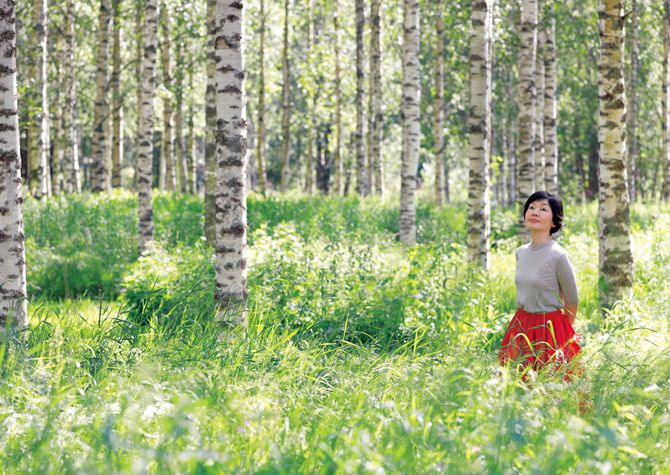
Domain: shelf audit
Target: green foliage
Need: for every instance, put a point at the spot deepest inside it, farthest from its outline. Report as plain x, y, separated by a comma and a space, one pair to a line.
359, 354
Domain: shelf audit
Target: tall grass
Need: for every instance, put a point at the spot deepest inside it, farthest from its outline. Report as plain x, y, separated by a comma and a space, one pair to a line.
360, 354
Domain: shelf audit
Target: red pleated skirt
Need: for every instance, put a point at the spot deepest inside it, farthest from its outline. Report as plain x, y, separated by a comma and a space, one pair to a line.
541, 340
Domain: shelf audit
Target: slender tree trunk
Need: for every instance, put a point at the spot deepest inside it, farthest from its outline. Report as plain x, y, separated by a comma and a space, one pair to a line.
665, 161
139, 55
511, 181
192, 162
540, 178
145, 206
376, 117
631, 114
101, 115
260, 143
117, 100
616, 260
527, 94
286, 108
479, 222
58, 154
210, 126
438, 133
167, 152
311, 129
410, 115
339, 167
231, 216
13, 306
38, 137
362, 185
550, 115
181, 165
71, 158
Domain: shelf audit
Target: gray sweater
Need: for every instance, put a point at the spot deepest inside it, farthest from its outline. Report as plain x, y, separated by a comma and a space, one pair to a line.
542, 272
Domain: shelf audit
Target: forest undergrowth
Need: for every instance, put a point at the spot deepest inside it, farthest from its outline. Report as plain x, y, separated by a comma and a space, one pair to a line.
360, 354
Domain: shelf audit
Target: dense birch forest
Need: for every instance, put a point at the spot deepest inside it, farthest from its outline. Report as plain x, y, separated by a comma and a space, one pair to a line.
279, 236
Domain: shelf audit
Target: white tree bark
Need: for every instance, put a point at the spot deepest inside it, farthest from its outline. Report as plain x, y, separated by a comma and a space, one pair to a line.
260, 144
13, 307
210, 126
231, 143
168, 179
525, 157
71, 158
362, 184
338, 184
286, 108
550, 115
376, 117
479, 205
665, 193
146, 145
38, 135
539, 112
117, 100
632, 133
101, 114
410, 116
438, 132
616, 260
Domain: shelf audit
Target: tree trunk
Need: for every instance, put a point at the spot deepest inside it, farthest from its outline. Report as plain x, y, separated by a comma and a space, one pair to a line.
616, 260
210, 127
117, 101
339, 167
71, 158
192, 162
39, 125
231, 215
376, 117
631, 114
13, 306
410, 115
479, 222
550, 115
139, 54
511, 177
145, 206
312, 96
181, 164
540, 178
167, 152
527, 94
286, 109
260, 143
362, 184
665, 160
438, 133
101, 115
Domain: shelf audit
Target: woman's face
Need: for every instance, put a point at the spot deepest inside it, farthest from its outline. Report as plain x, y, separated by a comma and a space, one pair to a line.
539, 216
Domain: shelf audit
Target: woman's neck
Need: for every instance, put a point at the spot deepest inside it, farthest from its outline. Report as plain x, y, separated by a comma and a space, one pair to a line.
539, 238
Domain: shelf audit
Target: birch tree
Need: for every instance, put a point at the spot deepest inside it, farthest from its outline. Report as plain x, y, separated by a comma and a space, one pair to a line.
665, 193
168, 179
376, 118
39, 126
260, 139
616, 260
362, 184
525, 157
145, 205
13, 307
210, 126
99, 142
117, 102
632, 114
549, 125
231, 210
286, 108
339, 163
438, 133
479, 223
72, 175
538, 141
410, 116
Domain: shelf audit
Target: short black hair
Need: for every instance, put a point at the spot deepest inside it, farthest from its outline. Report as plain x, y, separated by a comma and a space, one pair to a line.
555, 204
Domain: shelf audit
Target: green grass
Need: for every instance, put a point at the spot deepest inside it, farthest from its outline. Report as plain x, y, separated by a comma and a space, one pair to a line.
360, 354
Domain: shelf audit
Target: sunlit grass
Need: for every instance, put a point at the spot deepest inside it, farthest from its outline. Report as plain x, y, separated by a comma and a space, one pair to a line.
360, 355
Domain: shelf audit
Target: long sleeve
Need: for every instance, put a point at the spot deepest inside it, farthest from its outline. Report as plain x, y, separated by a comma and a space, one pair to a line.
567, 280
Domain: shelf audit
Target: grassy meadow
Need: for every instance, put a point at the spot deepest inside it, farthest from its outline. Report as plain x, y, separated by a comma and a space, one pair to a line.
360, 355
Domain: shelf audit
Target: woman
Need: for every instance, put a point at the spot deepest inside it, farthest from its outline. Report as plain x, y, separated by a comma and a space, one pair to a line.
540, 333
